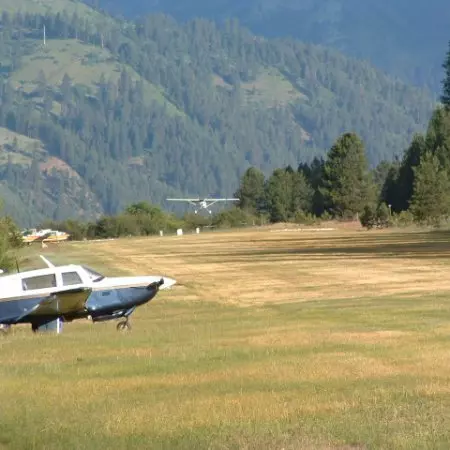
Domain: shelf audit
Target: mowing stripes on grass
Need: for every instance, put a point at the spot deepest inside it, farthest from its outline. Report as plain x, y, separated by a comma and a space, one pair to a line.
269, 341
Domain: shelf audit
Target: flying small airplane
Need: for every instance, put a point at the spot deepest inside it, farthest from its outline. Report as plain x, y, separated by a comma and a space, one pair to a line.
47, 297
202, 203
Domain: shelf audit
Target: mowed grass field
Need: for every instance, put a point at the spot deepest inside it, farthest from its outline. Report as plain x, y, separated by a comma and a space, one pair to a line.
271, 340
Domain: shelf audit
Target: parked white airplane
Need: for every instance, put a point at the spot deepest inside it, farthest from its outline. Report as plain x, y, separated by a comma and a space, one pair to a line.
204, 203
47, 297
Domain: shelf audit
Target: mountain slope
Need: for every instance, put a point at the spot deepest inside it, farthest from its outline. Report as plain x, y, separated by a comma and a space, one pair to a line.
405, 37
83, 64
35, 185
145, 110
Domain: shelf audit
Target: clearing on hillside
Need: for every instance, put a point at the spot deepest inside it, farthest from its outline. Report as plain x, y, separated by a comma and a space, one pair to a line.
19, 149
84, 64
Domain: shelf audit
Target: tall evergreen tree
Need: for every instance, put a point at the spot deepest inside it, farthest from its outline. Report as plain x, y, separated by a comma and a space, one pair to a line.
279, 195
347, 184
438, 136
389, 190
314, 176
401, 190
251, 191
431, 197
445, 97
302, 194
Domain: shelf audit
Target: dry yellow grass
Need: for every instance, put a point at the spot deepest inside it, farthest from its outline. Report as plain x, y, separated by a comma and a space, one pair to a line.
256, 267
330, 340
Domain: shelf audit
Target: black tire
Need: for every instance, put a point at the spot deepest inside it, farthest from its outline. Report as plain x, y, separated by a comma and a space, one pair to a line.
123, 326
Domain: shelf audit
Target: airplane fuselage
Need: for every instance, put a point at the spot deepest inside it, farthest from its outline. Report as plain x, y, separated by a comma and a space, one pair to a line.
73, 292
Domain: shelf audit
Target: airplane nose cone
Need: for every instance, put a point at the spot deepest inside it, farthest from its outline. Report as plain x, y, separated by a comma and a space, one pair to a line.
168, 283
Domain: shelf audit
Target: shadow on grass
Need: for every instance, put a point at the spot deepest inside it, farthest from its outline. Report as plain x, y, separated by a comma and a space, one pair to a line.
424, 245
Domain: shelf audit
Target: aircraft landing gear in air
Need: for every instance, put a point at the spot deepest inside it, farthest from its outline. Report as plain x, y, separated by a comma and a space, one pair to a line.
124, 326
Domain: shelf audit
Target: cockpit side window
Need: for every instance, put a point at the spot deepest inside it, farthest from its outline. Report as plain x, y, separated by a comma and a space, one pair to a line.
70, 278
39, 282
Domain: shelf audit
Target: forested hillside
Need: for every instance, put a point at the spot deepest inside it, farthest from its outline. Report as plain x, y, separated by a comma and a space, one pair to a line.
107, 112
404, 37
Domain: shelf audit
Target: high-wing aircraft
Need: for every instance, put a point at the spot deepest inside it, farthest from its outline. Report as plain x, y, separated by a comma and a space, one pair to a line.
57, 294
202, 203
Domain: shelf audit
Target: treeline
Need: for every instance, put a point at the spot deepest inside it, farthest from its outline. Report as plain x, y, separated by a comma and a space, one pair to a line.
414, 188
339, 186
146, 219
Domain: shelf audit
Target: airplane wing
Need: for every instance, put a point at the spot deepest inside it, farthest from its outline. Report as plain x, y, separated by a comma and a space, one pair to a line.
63, 302
184, 200
222, 199
56, 304
42, 237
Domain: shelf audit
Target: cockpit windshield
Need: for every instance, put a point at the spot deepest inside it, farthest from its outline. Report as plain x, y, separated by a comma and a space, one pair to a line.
93, 275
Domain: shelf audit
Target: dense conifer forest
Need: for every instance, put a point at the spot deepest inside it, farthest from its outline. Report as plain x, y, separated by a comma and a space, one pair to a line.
403, 37
108, 112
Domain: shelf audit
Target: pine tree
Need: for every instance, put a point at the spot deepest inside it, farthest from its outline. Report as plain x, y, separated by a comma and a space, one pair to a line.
251, 191
445, 97
402, 188
279, 195
383, 215
302, 194
347, 184
431, 199
314, 176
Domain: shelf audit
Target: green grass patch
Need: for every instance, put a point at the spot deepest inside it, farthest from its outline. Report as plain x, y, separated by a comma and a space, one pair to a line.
271, 88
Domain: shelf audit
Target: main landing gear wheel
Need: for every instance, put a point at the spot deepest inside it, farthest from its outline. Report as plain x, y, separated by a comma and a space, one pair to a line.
124, 326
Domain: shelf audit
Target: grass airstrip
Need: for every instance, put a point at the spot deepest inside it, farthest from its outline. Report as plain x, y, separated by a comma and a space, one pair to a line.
272, 339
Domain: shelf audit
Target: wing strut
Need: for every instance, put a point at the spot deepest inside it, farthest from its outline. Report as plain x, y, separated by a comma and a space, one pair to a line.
49, 264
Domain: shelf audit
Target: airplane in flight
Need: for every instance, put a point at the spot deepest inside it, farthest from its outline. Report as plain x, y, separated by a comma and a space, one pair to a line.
46, 298
202, 203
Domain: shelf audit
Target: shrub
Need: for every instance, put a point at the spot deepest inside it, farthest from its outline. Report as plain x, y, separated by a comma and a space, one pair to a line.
403, 219
375, 218
305, 218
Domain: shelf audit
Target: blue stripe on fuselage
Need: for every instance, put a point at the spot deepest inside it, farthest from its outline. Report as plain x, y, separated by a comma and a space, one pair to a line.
107, 300
119, 298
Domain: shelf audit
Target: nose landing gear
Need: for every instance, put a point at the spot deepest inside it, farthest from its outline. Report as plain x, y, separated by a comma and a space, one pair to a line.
124, 326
